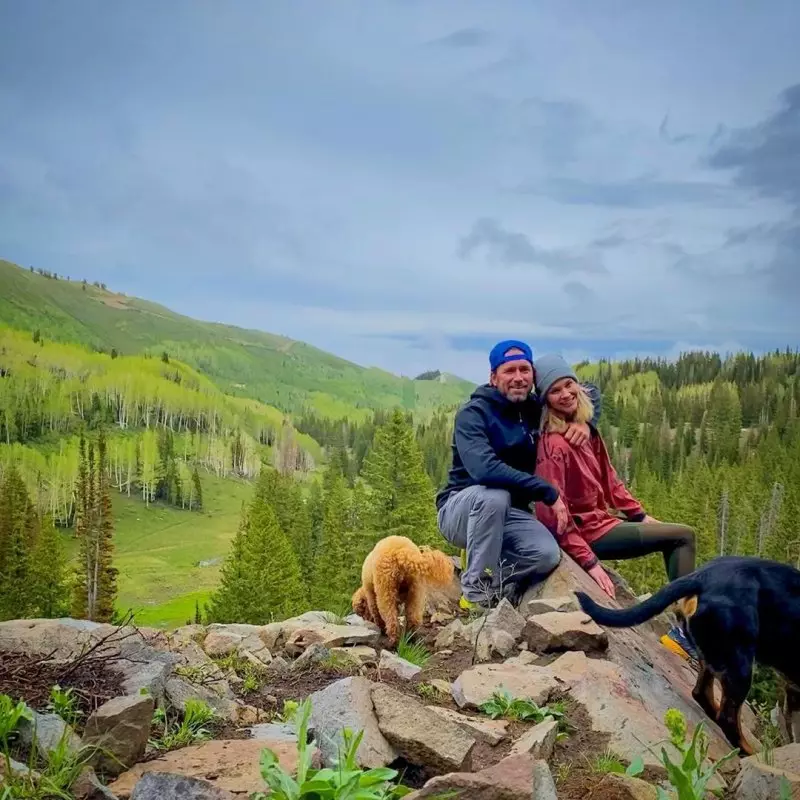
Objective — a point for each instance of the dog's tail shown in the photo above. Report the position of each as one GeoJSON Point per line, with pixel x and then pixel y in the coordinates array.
{"type": "Point", "coordinates": [636, 615]}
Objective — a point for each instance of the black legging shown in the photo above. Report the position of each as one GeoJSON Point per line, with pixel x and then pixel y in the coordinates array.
{"type": "Point", "coordinates": [634, 539]}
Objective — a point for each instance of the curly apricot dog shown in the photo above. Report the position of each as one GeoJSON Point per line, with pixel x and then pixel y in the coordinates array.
{"type": "Point", "coordinates": [397, 571]}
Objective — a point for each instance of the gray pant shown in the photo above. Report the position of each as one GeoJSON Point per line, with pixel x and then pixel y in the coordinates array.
{"type": "Point", "coordinates": [495, 535]}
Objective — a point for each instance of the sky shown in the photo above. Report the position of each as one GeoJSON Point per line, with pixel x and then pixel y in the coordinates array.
{"type": "Point", "coordinates": [406, 183]}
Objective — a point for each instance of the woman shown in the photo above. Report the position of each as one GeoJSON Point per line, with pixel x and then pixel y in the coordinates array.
{"type": "Point", "coordinates": [590, 486]}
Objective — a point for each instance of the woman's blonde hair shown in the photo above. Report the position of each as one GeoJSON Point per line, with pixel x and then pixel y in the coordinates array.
{"type": "Point", "coordinates": [553, 423]}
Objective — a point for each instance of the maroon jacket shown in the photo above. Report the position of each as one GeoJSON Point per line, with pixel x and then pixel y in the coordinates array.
{"type": "Point", "coordinates": [589, 485]}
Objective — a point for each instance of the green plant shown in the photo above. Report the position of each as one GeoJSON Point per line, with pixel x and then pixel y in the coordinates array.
{"type": "Point", "coordinates": [785, 790]}
{"type": "Point", "coordinates": [64, 703]}
{"type": "Point", "coordinates": [609, 761]}
{"type": "Point", "coordinates": [196, 716]}
{"type": "Point", "coordinates": [345, 781]}
{"type": "Point", "coordinates": [688, 775]}
{"type": "Point", "coordinates": [413, 650]}
{"type": "Point", "coordinates": [10, 716]}
{"type": "Point", "coordinates": [289, 713]}
{"type": "Point", "coordinates": [429, 692]}
{"type": "Point", "coordinates": [504, 704]}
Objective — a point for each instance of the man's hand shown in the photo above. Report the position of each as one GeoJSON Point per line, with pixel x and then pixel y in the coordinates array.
{"type": "Point", "coordinates": [562, 515]}
{"type": "Point", "coordinates": [578, 434]}
{"type": "Point", "coordinates": [600, 577]}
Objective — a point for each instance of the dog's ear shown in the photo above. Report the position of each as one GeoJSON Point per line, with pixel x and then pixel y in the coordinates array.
{"type": "Point", "coordinates": [687, 606]}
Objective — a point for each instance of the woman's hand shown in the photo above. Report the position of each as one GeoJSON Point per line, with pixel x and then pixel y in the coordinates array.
{"type": "Point", "coordinates": [648, 518]}
{"type": "Point", "coordinates": [577, 434]}
{"type": "Point", "coordinates": [600, 577]}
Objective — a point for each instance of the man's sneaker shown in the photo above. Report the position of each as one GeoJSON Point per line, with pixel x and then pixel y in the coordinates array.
{"type": "Point", "coordinates": [677, 641]}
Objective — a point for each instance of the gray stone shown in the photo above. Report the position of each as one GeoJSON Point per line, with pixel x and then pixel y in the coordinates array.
{"type": "Point", "coordinates": [221, 643]}
{"type": "Point", "coordinates": [121, 726]}
{"type": "Point", "coordinates": [491, 731]}
{"type": "Point", "coordinates": [539, 740]}
{"type": "Point", "coordinates": [313, 655]}
{"type": "Point", "coordinates": [348, 703]}
{"type": "Point", "coordinates": [49, 730]}
{"type": "Point", "coordinates": [544, 787]}
{"type": "Point", "coordinates": [757, 781]}
{"type": "Point", "coordinates": [162, 786]}
{"type": "Point", "coordinates": [557, 631]}
{"type": "Point", "coordinates": [88, 787]}
{"type": "Point", "coordinates": [393, 664]}
{"type": "Point", "coordinates": [545, 605]}
{"type": "Point", "coordinates": [420, 736]}
{"type": "Point", "coordinates": [274, 731]}
{"type": "Point", "coordinates": [178, 691]}
{"type": "Point", "coordinates": [476, 685]}
{"type": "Point", "coordinates": [359, 654]}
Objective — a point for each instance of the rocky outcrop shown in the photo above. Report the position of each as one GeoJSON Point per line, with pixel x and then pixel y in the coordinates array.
{"type": "Point", "coordinates": [558, 631]}
{"type": "Point", "coordinates": [758, 780]}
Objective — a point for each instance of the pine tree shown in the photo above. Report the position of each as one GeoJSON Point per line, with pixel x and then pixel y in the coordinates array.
{"type": "Point", "coordinates": [197, 491]}
{"type": "Point", "coordinates": [261, 579]}
{"type": "Point", "coordinates": [402, 494]}
{"type": "Point", "coordinates": [329, 587]}
{"type": "Point", "coordinates": [95, 587]}
{"type": "Point", "coordinates": [17, 535]}
{"type": "Point", "coordinates": [49, 572]}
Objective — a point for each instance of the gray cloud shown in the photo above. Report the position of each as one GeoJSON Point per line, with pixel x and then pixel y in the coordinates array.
{"type": "Point", "coordinates": [644, 192]}
{"type": "Point", "coordinates": [579, 292]}
{"type": "Point", "coordinates": [511, 248]}
{"type": "Point", "coordinates": [663, 132]}
{"type": "Point", "coordinates": [466, 37]}
{"type": "Point", "coordinates": [766, 157]}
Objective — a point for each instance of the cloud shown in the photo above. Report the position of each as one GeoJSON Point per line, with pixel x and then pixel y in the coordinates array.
{"type": "Point", "coordinates": [466, 37]}
{"type": "Point", "coordinates": [369, 179]}
{"type": "Point", "coordinates": [511, 248]}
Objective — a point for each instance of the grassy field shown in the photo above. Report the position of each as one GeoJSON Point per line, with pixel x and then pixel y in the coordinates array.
{"type": "Point", "coordinates": [158, 550]}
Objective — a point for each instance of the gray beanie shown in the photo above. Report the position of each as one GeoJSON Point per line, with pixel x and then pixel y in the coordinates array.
{"type": "Point", "coordinates": [548, 370]}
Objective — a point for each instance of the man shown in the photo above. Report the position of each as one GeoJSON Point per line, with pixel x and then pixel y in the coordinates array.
{"type": "Point", "coordinates": [486, 506]}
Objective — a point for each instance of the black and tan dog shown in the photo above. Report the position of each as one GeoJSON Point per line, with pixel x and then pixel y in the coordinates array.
{"type": "Point", "coordinates": [736, 610]}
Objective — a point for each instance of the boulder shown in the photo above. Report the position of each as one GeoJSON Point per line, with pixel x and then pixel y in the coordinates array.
{"type": "Point", "coordinates": [274, 732]}
{"type": "Point", "coordinates": [540, 740]}
{"type": "Point", "coordinates": [328, 635]}
{"type": "Point", "coordinates": [642, 680]}
{"type": "Point", "coordinates": [557, 631]}
{"type": "Point", "coordinates": [509, 779]}
{"type": "Point", "coordinates": [311, 657]}
{"type": "Point", "coordinates": [221, 643]}
{"type": "Point", "coordinates": [232, 765]}
{"type": "Point", "coordinates": [178, 691]}
{"type": "Point", "coordinates": [623, 787]}
{"type": "Point", "coordinates": [758, 781]}
{"type": "Point", "coordinates": [161, 786]}
{"type": "Point", "coordinates": [476, 685]}
{"type": "Point", "coordinates": [48, 730]}
{"type": "Point", "coordinates": [447, 638]}
{"type": "Point", "coordinates": [121, 727]}
{"type": "Point", "coordinates": [420, 736]}
{"type": "Point", "coordinates": [399, 667]}
{"type": "Point", "coordinates": [491, 731]}
{"type": "Point", "coordinates": [348, 703]}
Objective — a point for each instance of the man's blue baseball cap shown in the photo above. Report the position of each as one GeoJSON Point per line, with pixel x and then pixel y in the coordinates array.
{"type": "Point", "coordinates": [498, 355]}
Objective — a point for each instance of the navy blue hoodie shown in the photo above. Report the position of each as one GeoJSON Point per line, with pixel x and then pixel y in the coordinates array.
{"type": "Point", "coordinates": [494, 445]}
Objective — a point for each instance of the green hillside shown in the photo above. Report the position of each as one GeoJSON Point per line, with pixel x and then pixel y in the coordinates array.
{"type": "Point", "coordinates": [290, 375]}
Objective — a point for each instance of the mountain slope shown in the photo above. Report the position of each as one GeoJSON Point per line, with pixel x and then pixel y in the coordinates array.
{"type": "Point", "coordinates": [273, 369]}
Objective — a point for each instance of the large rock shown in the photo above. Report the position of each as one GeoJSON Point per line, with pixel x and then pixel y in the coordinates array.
{"type": "Point", "coordinates": [623, 787]}
{"type": "Point", "coordinates": [178, 691]}
{"type": "Point", "coordinates": [491, 731]}
{"type": "Point", "coordinates": [759, 781]}
{"type": "Point", "coordinates": [360, 654]}
{"type": "Point", "coordinates": [509, 779]}
{"type": "Point", "coordinates": [494, 634]}
{"type": "Point", "coordinates": [220, 643]}
{"type": "Point", "coordinates": [643, 679]}
{"type": "Point", "coordinates": [48, 730]}
{"type": "Point", "coordinates": [347, 703]}
{"type": "Point", "coordinates": [557, 631]}
{"type": "Point", "coordinates": [420, 736]}
{"type": "Point", "coordinates": [160, 786]}
{"type": "Point", "coordinates": [121, 726]}
{"type": "Point", "coordinates": [328, 635]}
{"type": "Point", "coordinates": [476, 685]}
{"type": "Point", "coordinates": [544, 605]}
{"type": "Point", "coordinates": [232, 765]}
